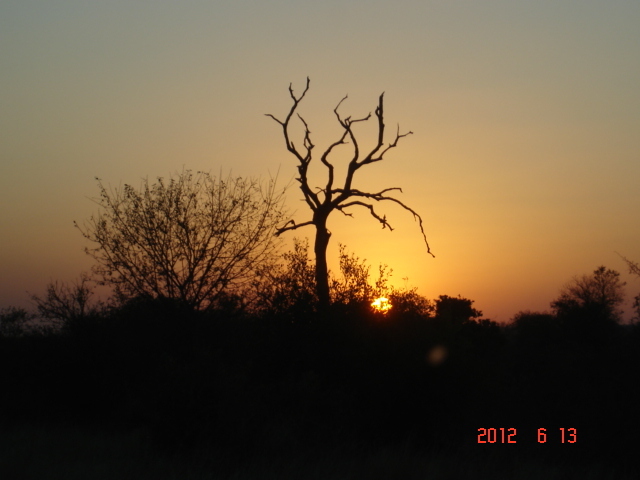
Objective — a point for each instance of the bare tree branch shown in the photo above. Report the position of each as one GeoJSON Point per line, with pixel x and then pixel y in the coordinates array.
{"type": "Point", "coordinates": [634, 267]}
{"type": "Point", "coordinates": [286, 227]}
{"type": "Point", "coordinates": [382, 220]}
{"type": "Point", "coordinates": [303, 157]}
{"type": "Point", "coordinates": [379, 196]}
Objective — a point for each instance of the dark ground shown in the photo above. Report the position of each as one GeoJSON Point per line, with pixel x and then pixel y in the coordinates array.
{"type": "Point", "coordinates": [154, 390]}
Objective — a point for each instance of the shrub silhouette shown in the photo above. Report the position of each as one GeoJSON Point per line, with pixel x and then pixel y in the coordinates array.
{"type": "Point", "coordinates": [588, 306]}
{"type": "Point", "coordinates": [14, 322]}
{"type": "Point", "coordinates": [455, 310]}
{"type": "Point", "coordinates": [287, 289]}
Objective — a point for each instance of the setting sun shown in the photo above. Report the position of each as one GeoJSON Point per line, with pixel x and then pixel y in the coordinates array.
{"type": "Point", "coordinates": [381, 305]}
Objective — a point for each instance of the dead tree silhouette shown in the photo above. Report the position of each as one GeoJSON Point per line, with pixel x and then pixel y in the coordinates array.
{"type": "Point", "coordinates": [338, 198]}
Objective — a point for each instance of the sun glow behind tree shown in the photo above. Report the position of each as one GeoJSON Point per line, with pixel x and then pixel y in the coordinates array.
{"type": "Point", "coordinates": [381, 305]}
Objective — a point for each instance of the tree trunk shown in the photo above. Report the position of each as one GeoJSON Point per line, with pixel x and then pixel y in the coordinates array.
{"type": "Point", "coordinates": [322, 271]}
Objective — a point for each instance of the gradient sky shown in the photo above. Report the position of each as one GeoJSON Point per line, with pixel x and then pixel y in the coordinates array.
{"type": "Point", "coordinates": [524, 162]}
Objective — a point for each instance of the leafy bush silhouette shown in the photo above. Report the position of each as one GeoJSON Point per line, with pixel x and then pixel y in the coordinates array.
{"type": "Point", "coordinates": [14, 322]}
{"type": "Point", "coordinates": [456, 311]}
{"type": "Point", "coordinates": [287, 289]}
{"type": "Point", "coordinates": [588, 306]}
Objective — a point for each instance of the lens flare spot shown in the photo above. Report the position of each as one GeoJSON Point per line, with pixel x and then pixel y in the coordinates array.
{"type": "Point", "coordinates": [437, 355]}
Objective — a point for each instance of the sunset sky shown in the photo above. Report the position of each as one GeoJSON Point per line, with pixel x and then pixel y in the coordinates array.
{"type": "Point", "coordinates": [524, 162]}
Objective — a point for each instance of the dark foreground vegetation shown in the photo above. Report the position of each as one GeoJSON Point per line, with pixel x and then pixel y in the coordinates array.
{"type": "Point", "coordinates": [156, 389]}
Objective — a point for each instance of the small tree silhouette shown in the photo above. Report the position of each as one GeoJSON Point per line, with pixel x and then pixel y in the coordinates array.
{"type": "Point", "coordinates": [192, 238]}
{"type": "Point", "coordinates": [338, 198]}
{"type": "Point", "coordinates": [588, 307]}
{"type": "Point", "coordinates": [455, 310]}
{"type": "Point", "coordinates": [65, 303]}
{"type": "Point", "coordinates": [594, 297]}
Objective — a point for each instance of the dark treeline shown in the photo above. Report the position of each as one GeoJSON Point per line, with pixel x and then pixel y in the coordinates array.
{"type": "Point", "coordinates": [283, 379]}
